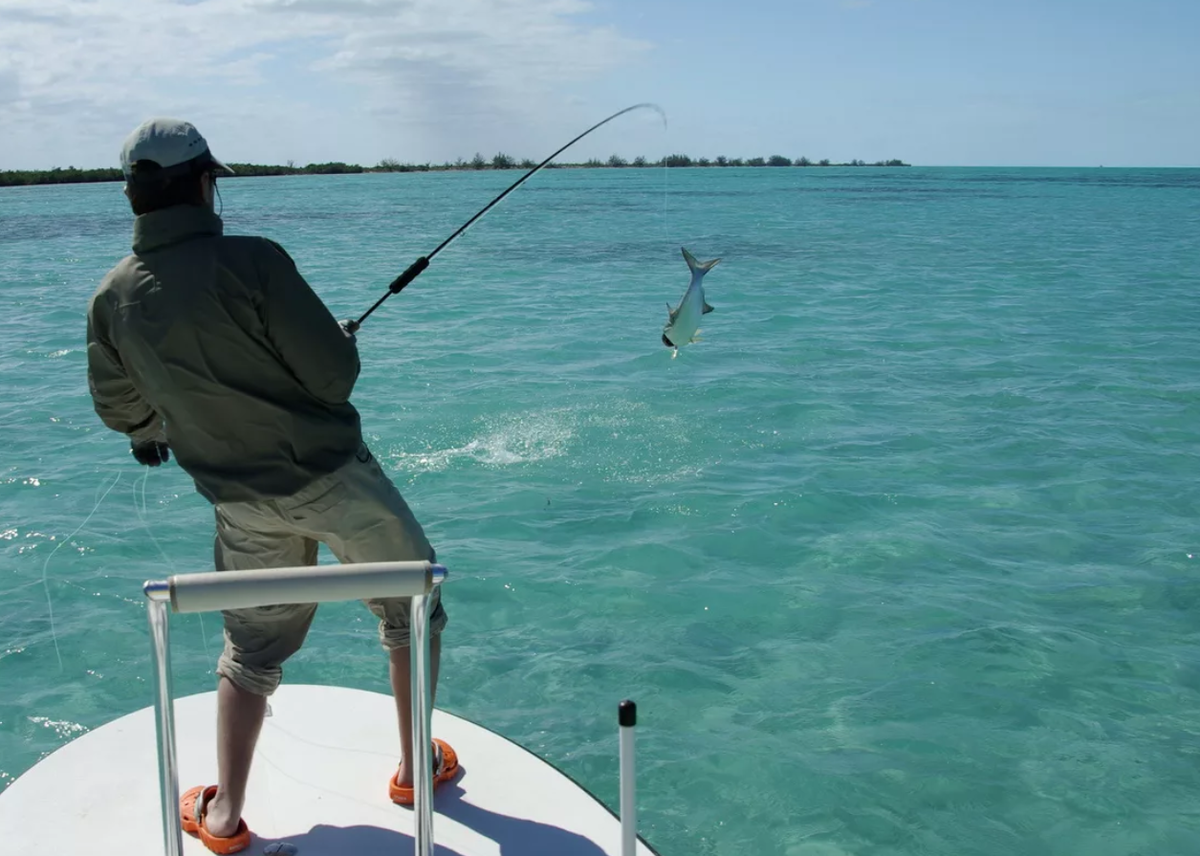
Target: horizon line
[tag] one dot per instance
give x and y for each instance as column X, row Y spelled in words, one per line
column 39, row 176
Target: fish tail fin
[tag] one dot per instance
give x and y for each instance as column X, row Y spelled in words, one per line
column 695, row 265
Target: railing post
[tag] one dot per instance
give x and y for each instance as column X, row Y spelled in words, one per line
column 422, row 762
column 627, row 719
column 157, row 594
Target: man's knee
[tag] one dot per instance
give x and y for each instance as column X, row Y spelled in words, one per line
column 395, row 620
column 259, row 641
column 261, row 681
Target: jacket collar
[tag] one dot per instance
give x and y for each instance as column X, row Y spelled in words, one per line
column 172, row 225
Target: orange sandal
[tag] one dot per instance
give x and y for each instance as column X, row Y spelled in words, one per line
column 192, row 807
column 187, row 810
column 445, row 768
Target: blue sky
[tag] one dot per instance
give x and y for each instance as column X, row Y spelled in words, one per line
column 1057, row 82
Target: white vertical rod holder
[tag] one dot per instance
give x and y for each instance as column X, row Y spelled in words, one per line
column 164, row 717
column 627, row 719
column 422, row 762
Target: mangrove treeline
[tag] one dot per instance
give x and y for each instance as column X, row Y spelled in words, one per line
column 73, row 175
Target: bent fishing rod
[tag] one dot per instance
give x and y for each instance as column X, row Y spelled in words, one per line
column 414, row 270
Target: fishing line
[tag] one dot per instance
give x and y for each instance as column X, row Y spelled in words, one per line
column 141, row 513
column 46, row 565
column 664, row 211
column 414, row 270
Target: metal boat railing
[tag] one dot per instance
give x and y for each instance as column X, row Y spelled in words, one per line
column 213, row 591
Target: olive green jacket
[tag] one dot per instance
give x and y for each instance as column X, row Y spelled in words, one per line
column 217, row 345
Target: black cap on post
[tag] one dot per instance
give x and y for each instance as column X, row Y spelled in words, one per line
column 627, row 714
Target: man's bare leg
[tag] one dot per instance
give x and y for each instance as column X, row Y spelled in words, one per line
column 400, row 668
column 239, row 721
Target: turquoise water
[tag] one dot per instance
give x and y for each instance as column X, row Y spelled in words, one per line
column 900, row 559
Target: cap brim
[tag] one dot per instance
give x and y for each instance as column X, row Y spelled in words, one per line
column 221, row 166
column 201, row 163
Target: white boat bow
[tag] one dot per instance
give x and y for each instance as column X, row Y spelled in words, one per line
column 318, row 787
column 319, row 781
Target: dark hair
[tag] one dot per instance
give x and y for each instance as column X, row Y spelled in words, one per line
column 149, row 192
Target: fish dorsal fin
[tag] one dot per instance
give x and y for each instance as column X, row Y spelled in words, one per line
column 707, row 308
column 697, row 265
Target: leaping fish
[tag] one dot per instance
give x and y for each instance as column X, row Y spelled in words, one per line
column 683, row 321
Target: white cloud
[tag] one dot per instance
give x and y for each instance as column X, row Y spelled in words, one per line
column 77, row 76
column 10, row 85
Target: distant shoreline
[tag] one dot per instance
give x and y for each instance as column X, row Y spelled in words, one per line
column 71, row 175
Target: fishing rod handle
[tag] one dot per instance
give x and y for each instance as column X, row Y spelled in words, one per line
column 414, row 270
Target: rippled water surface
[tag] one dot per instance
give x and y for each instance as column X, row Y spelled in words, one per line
column 900, row 559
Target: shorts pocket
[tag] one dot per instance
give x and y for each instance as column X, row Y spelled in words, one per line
column 303, row 505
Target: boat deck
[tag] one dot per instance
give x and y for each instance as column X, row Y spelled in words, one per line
column 318, row 787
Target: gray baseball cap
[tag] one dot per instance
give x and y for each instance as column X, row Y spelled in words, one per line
column 171, row 146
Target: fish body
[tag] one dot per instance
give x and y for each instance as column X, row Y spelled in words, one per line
column 683, row 322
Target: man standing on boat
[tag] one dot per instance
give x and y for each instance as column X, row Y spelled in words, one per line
column 214, row 347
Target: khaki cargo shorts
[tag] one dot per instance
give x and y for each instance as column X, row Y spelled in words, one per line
column 358, row 513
